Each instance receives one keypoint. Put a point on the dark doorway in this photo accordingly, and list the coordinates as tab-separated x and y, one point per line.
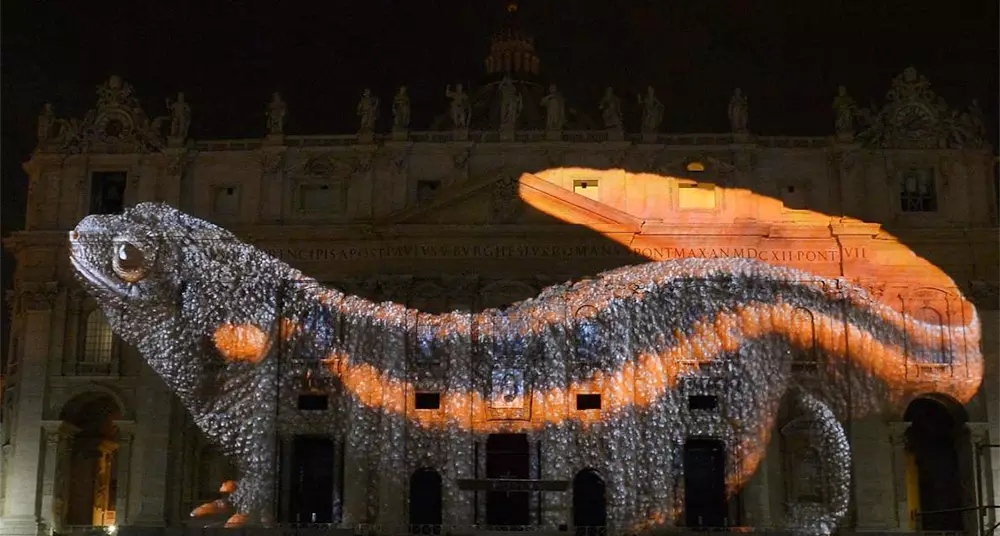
931	440
107	192
507	457
313	465
425	501
589	506
705	483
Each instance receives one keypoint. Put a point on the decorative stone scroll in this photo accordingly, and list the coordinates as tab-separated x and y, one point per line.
38	296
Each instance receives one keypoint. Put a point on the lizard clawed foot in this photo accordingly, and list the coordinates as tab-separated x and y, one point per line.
219	506
225	506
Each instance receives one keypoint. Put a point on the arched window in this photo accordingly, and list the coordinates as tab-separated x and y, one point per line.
804	337
98	344
936	340
589	501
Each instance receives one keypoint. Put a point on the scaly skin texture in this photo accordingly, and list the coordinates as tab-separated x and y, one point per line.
236	333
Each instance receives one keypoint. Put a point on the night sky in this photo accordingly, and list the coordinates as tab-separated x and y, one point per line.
228	57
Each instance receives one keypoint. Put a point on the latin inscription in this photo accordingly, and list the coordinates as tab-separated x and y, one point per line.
552	251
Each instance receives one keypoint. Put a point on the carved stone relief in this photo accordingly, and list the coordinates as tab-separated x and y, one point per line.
505	203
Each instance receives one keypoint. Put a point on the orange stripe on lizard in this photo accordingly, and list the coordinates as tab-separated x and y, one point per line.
241	342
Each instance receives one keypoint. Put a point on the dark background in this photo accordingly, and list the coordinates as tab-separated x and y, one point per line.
228	57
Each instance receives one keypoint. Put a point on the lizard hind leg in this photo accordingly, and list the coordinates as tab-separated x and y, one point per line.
219	506
831	451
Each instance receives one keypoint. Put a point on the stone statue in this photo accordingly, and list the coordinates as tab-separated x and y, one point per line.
738	108
180	117
652	111
276	112
845	108
510	102
401	109
611	109
555	109
976	119
460	108
46	123
368	111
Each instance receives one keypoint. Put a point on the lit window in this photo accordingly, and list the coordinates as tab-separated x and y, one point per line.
315	197
586	187
695	196
97	348
226	200
695	166
917	192
426	190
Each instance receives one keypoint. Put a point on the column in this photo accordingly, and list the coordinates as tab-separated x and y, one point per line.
900	476
58	442
126	430
356	473
872	456
103	501
148	464
74	304
21	515
757	499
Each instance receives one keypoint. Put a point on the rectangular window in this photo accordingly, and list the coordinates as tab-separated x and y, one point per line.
427	400
314	401
703	402
793	197
316	198
588	401
917	192
426	190
226	201
695	196
107	192
586	188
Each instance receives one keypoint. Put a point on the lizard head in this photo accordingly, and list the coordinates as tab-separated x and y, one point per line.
162	277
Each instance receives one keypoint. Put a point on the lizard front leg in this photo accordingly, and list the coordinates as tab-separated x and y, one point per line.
827	436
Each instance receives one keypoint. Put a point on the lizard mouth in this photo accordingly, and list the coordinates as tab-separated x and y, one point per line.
93	278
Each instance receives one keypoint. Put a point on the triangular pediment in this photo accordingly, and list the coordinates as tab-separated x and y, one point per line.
511	197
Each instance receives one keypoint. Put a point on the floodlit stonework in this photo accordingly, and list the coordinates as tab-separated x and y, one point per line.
480	215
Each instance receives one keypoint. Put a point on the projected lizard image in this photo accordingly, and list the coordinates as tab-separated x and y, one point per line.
239	336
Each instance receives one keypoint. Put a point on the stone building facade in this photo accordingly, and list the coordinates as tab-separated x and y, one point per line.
469	218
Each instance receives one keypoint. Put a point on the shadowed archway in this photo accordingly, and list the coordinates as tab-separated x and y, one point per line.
934	468
89	484
589	501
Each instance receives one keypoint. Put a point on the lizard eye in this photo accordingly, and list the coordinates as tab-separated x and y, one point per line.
129	262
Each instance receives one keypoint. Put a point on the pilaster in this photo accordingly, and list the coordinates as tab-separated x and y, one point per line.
756	495
22	505
58	444
148	469
900	476
126	431
873	455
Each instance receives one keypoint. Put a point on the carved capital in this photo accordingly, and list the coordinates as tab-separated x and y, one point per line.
395	288
365	163
177	163
461	286
461	159
271	160
126	430
618	158
897	432
59	432
38	296
985	294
